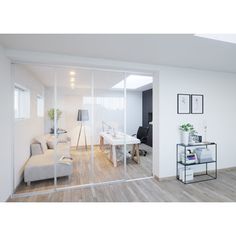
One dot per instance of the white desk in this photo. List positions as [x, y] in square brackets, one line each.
[120, 139]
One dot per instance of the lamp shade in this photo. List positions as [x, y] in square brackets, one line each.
[83, 115]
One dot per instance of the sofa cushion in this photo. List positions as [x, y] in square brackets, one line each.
[42, 141]
[36, 149]
[51, 142]
[63, 138]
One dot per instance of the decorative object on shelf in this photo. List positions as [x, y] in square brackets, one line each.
[197, 138]
[188, 158]
[83, 115]
[186, 130]
[51, 115]
[197, 104]
[193, 137]
[183, 104]
[204, 155]
[205, 130]
[189, 174]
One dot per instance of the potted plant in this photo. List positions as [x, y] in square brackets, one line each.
[186, 129]
[51, 115]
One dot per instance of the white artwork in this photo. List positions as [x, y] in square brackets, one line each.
[197, 104]
[183, 103]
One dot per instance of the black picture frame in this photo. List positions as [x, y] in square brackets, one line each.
[194, 109]
[180, 97]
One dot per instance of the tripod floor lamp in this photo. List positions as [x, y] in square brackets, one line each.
[82, 116]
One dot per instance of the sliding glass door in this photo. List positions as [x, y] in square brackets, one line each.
[139, 125]
[34, 97]
[74, 135]
[108, 126]
[77, 126]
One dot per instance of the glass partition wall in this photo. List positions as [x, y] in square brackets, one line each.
[80, 127]
[34, 97]
[108, 128]
[74, 138]
[139, 125]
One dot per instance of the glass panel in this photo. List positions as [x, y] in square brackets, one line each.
[74, 127]
[139, 125]
[33, 161]
[108, 132]
[80, 126]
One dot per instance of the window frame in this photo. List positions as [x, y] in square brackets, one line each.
[23, 113]
[40, 102]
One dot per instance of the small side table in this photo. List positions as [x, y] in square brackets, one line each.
[205, 176]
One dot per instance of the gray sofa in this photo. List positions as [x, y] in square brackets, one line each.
[45, 156]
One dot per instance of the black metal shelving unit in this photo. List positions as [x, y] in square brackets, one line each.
[197, 177]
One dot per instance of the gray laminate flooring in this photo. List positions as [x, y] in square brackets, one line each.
[223, 189]
[103, 170]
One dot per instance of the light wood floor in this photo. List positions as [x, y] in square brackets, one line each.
[103, 170]
[223, 189]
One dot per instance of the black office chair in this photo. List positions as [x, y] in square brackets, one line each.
[142, 135]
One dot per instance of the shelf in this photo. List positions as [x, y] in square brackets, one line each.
[198, 179]
[192, 164]
[196, 144]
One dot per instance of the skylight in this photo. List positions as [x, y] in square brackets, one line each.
[134, 82]
[229, 38]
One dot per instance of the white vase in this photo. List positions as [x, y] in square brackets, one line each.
[185, 137]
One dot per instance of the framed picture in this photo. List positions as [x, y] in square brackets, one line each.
[183, 104]
[197, 104]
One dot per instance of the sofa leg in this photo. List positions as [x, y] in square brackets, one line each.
[28, 183]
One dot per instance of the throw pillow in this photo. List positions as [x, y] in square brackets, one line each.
[42, 141]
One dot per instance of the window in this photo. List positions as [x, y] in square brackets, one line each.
[21, 103]
[40, 106]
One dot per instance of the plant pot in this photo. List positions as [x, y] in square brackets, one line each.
[185, 137]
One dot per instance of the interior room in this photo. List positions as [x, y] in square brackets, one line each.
[70, 124]
[114, 124]
[117, 117]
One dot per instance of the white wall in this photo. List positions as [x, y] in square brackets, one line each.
[26, 129]
[219, 90]
[6, 111]
[169, 82]
[134, 113]
[109, 111]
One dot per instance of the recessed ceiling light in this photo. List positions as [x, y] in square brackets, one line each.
[72, 79]
[72, 73]
[228, 38]
[134, 82]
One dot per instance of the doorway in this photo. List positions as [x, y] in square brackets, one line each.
[80, 127]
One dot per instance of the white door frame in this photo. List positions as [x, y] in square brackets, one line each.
[98, 65]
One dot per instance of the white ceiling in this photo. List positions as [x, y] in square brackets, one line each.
[83, 77]
[170, 49]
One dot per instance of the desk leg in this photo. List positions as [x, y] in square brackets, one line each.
[110, 156]
[135, 153]
[114, 156]
[101, 143]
